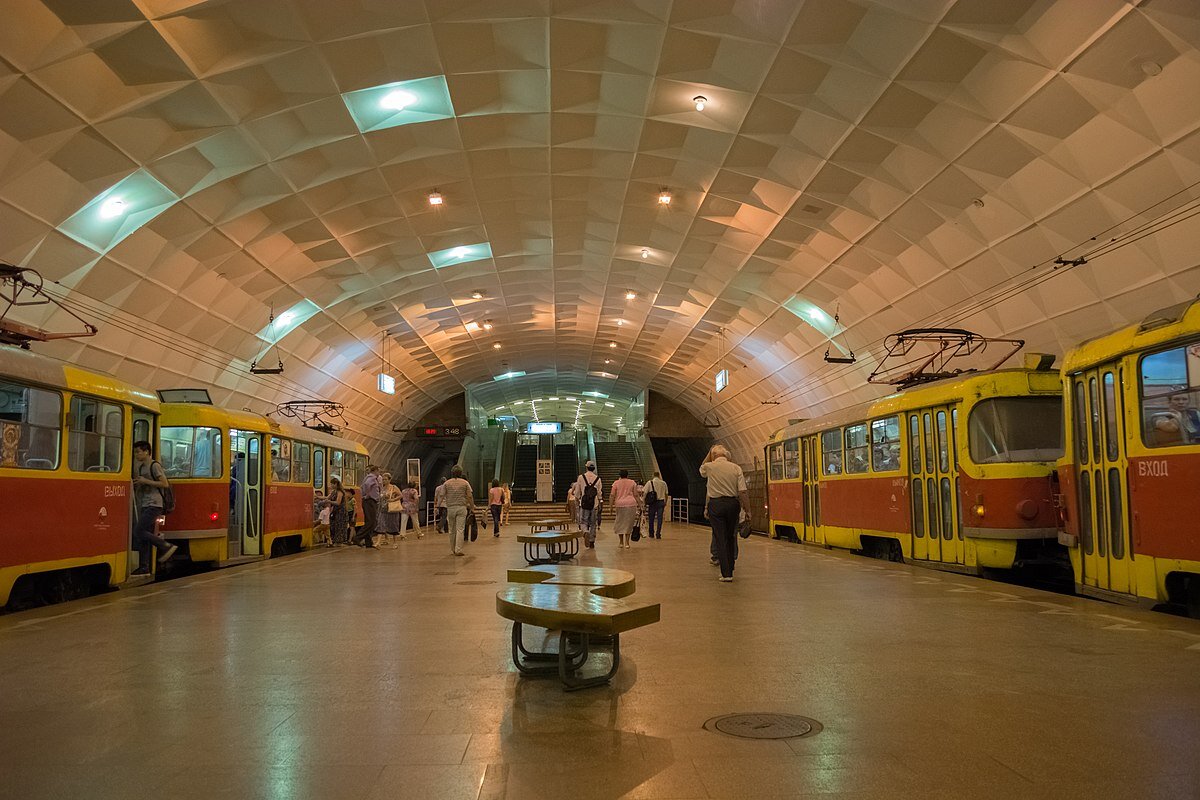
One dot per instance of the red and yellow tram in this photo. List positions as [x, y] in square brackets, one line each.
[956, 474]
[66, 438]
[1132, 461]
[244, 484]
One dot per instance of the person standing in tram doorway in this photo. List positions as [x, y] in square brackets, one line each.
[727, 495]
[371, 492]
[148, 482]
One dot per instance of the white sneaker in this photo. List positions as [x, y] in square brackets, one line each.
[725, 580]
[170, 551]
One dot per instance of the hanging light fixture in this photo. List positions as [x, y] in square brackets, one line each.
[487, 325]
[477, 295]
[701, 101]
[645, 252]
[255, 369]
[631, 295]
[435, 198]
[664, 197]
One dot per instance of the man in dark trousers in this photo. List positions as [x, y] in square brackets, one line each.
[148, 482]
[370, 494]
[656, 504]
[727, 495]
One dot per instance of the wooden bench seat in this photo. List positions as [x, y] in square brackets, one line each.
[608, 582]
[583, 610]
[550, 547]
[549, 524]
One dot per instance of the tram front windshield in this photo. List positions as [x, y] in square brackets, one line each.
[1005, 430]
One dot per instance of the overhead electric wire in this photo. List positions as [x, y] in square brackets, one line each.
[999, 292]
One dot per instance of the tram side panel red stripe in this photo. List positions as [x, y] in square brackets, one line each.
[787, 501]
[46, 519]
[1002, 499]
[194, 505]
[1166, 505]
[288, 508]
[879, 504]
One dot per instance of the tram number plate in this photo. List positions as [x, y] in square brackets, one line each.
[1152, 469]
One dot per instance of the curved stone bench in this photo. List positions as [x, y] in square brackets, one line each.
[614, 583]
[570, 609]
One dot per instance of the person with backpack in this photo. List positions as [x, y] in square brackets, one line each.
[151, 490]
[589, 489]
[656, 505]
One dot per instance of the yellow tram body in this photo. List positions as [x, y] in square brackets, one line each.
[920, 475]
[1131, 512]
[66, 435]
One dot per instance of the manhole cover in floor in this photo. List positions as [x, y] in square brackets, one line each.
[764, 726]
[472, 583]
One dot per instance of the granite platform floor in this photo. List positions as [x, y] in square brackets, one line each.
[354, 674]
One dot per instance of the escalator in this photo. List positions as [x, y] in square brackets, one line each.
[524, 484]
[679, 461]
[566, 469]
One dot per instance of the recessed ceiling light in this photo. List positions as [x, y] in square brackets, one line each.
[112, 207]
[608, 361]
[701, 101]
[496, 346]
[612, 344]
[553, 398]
[620, 322]
[664, 197]
[487, 324]
[397, 100]
[460, 252]
[631, 295]
[472, 326]
[476, 295]
[435, 198]
[646, 250]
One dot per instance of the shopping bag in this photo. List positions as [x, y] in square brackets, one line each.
[473, 525]
[636, 534]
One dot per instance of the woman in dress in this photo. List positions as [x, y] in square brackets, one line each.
[335, 501]
[626, 501]
[573, 508]
[387, 521]
[408, 503]
[507, 504]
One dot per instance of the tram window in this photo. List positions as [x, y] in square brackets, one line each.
[931, 496]
[349, 474]
[1170, 389]
[190, 452]
[360, 467]
[928, 445]
[96, 439]
[885, 444]
[918, 506]
[281, 459]
[1116, 513]
[1094, 393]
[1081, 447]
[831, 452]
[914, 443]
[318, 473]
[1085, 512]
[1111, 443]
[141, 430]
[943, 443]
[954, 435]
[791, 459]
[857, 458]
[301, 461]
[958, 512]
[336, 467]
[1101, 509]
[1004, 430]
[947, 510]
[776, 458]
[35, 415]
[816, 496]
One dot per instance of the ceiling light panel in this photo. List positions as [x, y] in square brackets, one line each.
[401, 103]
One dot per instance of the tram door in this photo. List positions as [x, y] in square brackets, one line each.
[810, 472]
[143, 431]
[1101, 459]
[245, 493]
[925, 495]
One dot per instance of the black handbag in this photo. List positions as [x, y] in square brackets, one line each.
[473, 524]
[636, 534]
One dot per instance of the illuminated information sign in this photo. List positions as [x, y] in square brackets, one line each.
[544, 427]
[722, 379]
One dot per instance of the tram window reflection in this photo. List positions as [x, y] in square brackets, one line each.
[885, 444]
[831, 452]
[791, 459]
[856, 449]
[36, 417]
[1170, 389]
[1005, 430]
[776, 458]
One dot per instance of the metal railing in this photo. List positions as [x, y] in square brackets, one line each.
[679, 509]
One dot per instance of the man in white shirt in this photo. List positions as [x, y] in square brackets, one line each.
[727, 495]
[589, 489]
[656, 503]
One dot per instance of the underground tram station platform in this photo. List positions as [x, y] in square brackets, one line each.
[348, 673]
[889, 308]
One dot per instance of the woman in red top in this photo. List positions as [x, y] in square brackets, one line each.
[626, 502]
[495, 505]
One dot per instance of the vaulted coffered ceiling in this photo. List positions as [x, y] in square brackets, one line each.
[181, 168]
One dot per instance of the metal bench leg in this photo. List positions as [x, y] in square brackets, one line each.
[574, 659]
[571, 683]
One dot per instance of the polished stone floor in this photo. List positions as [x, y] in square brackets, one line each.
[354, 674]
